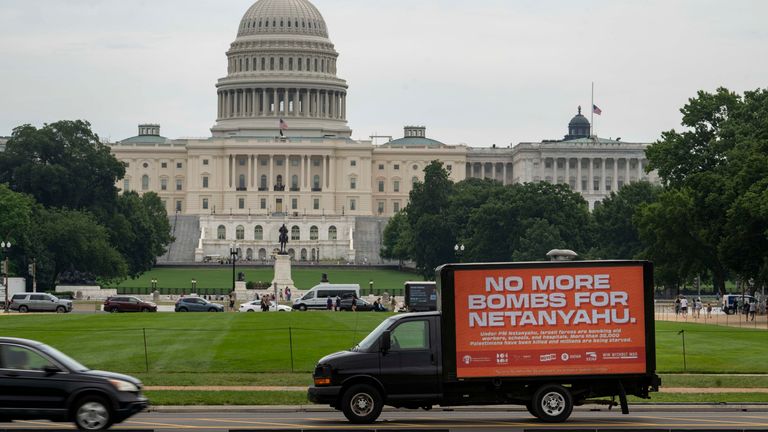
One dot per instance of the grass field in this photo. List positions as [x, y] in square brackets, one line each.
[303, 277]
[233, 343]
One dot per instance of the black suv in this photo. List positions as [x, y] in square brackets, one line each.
[40, 382]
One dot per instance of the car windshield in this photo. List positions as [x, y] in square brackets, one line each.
[370, 341]
[67, 361]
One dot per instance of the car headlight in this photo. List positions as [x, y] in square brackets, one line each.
[123, 386]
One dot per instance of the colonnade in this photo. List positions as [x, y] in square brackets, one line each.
[501, 171]
[282, 102]
[260, 172]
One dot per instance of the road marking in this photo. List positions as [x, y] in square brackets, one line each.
[698, 419]
[156, 425]
[257, 422]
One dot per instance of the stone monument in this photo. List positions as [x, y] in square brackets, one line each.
[283, 264]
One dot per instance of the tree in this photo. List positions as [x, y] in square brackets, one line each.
[62, 164]
[397, 238]
[715, 165]
[616, 235]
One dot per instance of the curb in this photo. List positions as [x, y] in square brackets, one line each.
[668, 407]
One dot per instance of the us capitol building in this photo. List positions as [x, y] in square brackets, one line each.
[333, 193]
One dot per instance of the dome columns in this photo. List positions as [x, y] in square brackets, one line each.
[285, 102]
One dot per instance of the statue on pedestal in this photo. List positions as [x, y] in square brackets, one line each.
[283, 239]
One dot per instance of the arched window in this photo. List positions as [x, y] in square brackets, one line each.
[262, 254]
[295, 233]
[145, 182]
[222, 233]
[303, 254]
[292, 254]
[316, 182]
[415, 180]
[332, 235]
[240, 233]
[313, 233]
[258, 233]
[249, 254]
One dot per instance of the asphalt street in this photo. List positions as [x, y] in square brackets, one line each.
[647, 420]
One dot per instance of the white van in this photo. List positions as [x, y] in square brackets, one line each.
[317, 297]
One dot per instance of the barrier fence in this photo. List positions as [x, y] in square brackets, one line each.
[666, 312]
[123, 290]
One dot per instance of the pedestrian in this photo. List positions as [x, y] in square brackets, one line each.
[329, 303]
[684, 307]
[709, 310]
[677, 306]
[697, 307]
[752, 310]
[281, 295]
[338, 303]
[232, 301]
[264, 304]
[354, 303]
[288, 293]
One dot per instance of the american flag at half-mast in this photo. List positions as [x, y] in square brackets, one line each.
[596, 110]
[283, 126]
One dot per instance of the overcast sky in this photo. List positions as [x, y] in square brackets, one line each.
[479, 72]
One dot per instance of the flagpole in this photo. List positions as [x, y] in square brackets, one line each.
[592, 113]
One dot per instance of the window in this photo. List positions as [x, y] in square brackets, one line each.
[21, 358]
[263, 183]
[240, 232]
[205, 161]
[295, 182]
[127, 164]
[396, 206]
[279, 162]
[353, 183]
[596, 183]
[352, 204]
[179, 165]
[179, 184]
[412, 335]
[295, 233]
[316, 204]
[449, 167]
[241, 162]
[126, 185]
[381, 185]
[146, 165]
[205, 182]
[415, 167]
[164, 165]
[332, 234]
[163, 184]
[397, 167]
[205, 203]
[396, 186]
[178, 206]
[353, 163]
[258, 233]
[241, 203]
[381, 207]
[381, 167]
[316, 182]
[241, 182]
[294, 203]
[313, 233]
[263, 204]
[221, 233]
[414, 180]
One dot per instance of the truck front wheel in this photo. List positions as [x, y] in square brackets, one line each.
[362, 404]
[552, 403]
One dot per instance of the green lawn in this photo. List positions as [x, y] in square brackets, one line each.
[303, 277]
[230, 343]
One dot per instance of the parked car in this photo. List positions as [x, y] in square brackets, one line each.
[362, 305]
[197, 304]
[39, 302]
[128, 304]
[42, 383]
[317, 296]
[255, 306]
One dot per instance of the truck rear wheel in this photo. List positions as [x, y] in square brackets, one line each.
[362, 404]
[552, 403]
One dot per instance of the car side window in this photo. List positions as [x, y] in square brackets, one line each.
[411, 335]
[19, 297]
[37, 297]
[20, 358]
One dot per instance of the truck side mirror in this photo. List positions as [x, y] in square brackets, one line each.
[386, 342]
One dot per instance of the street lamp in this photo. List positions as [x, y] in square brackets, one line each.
[6, 245]
[234, 251]
[459, 249]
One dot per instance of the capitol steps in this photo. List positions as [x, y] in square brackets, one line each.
[186, 231]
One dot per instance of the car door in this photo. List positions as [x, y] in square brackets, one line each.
[409, 368]
[39, 302]
[132, 305]
[25, 388]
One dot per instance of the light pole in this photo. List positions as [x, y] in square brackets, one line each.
[6, 245]
[459, 249]
[233, 253]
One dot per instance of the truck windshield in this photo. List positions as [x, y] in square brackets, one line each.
[372, 339]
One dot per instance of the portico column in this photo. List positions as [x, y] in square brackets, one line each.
[249, 175]
[602, 175]
[578, 173]
[327, 105]
[276, 105]
[263, 107]
[591, 179]
[626, 171]
[343, 106]
[615, 175]
[639, 169]
[231, 169]
[254, 102]
[504, 174]
[302, 183]
[287, 178]
[554, 170]
[271, 179]
[325, 171]
[255, 161]
[568, 172]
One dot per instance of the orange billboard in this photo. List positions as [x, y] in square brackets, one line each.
[550, 321]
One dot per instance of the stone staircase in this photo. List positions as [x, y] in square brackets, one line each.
[186, 231]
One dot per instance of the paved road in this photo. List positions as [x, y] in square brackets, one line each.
[648, 420]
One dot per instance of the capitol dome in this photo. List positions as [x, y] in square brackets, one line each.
[283, 16]
[281, 76]
[578, 127]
